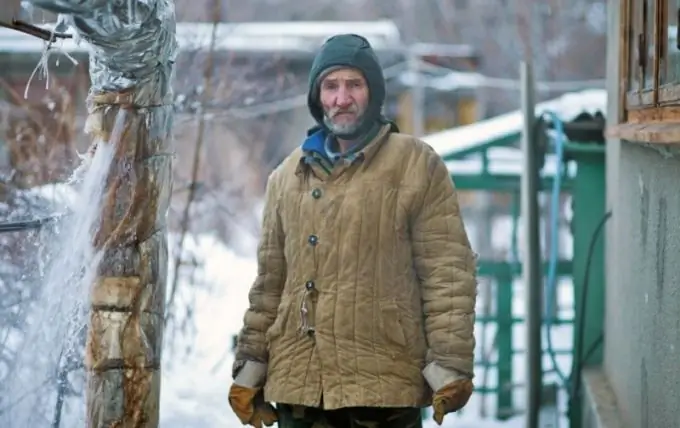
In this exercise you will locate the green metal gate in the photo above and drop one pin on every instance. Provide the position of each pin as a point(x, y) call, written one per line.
point(585, 184)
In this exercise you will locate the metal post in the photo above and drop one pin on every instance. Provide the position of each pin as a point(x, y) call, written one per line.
point(417, 94)
point(504, 404)
point(531, 256)
point(588, 199)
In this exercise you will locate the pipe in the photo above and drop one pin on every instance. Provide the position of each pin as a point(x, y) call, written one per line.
point(531, 263)
point(21, 225)
point(553, 254)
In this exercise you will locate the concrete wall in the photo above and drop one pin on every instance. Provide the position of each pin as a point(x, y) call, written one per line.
point(642, 340)
point(642, 358)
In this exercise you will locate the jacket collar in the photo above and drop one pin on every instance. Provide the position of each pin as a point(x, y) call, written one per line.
point(314, 145)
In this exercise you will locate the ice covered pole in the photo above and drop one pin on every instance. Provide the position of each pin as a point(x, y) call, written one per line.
point(132, 53)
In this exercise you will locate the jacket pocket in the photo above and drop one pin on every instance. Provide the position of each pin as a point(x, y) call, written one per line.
point(279, 325)
point(391, 324)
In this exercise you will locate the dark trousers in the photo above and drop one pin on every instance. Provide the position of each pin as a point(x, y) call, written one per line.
point(350, 417)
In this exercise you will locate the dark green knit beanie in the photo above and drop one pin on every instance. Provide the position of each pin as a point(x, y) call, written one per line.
point(348, 50)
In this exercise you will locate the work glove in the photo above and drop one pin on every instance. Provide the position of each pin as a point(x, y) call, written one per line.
point(452, 390)
point(247, 399)
point(250, 407)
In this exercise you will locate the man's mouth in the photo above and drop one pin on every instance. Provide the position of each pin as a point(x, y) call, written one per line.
point(346, 114)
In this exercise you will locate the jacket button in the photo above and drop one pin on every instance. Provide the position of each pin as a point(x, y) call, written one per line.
point(313, 239)
point(309, 285)
point(316, 193)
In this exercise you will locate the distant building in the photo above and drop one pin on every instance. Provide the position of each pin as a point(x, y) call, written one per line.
point(261, 72)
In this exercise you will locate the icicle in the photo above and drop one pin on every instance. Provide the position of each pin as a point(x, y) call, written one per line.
point(42, 65)
point(63, 51)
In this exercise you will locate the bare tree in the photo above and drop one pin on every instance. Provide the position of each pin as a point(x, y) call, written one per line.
point(564, 37)
point(564, 40)
point(40, 135)
point(227, 141)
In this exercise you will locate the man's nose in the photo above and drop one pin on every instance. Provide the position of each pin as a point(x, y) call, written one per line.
point(343, 99)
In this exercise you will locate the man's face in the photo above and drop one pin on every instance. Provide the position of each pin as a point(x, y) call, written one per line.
point(344, 98)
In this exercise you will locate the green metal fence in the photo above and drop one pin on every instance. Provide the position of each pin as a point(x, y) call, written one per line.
point(585, 185)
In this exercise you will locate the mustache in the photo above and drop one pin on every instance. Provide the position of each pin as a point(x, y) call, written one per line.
point(340, 110)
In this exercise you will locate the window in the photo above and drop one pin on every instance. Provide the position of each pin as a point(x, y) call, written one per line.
point(649, 64)
point(632, 27)
point(648, 43)
point(669, 63)
point(652, 53)
point(641, 50)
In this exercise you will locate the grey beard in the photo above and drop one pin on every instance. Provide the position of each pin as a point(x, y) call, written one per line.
point(346, 128)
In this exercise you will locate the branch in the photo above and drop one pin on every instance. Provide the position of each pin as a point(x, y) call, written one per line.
point(16, 226)
point(184, 225)
point(32, 30)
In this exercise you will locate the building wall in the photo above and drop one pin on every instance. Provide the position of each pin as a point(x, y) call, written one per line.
point(643, 310)
point(642, 333)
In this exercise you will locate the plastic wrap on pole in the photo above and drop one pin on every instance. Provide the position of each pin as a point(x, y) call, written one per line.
point(132, 43)
point(132, 52)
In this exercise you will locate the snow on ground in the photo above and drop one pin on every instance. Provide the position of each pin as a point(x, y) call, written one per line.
point(195, 387)
point(195, 384)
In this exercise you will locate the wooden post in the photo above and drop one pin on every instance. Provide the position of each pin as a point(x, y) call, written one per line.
point(125, 336)
point(130, 108)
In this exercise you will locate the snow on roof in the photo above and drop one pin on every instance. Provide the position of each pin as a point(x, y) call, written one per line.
point(567, 107)
point(451, 50)
point(249, 36)
point(449, 82)
point(508, 160)
point(509, 163)
point(292, 35)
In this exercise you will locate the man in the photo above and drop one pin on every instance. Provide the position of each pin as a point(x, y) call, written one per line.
point(365, 293)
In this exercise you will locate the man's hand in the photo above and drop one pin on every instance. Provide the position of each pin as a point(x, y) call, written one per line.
point(452, 390)
point(250, 407)
point(451, 398)
point(245, 395)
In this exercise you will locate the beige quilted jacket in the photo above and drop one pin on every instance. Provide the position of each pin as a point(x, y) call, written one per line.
point(365, 276)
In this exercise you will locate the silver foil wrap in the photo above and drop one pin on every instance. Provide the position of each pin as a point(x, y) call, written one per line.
point(132, 43)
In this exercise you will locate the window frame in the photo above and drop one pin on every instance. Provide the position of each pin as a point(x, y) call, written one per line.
point(649, 115)
point(659, 94)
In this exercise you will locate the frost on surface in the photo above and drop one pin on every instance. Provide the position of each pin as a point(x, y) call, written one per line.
point(23, 263)
point(112, 242)
point(47, 345)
